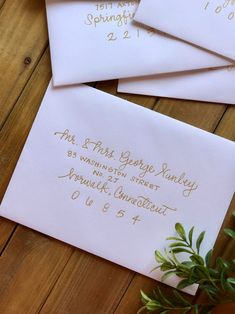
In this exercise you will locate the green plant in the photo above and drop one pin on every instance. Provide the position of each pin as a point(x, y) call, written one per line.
point(217, 282)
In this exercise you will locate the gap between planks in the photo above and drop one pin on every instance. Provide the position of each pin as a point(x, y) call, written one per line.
point(2, 4)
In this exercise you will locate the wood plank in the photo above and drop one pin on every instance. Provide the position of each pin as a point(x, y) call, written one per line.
point(29, 268)
point(203, 115)
point(226, 127)
point(15, 131)
point(88, 285)
point(225, 246)
point(131, 300)
point(23, 39)
point(25, 36)
point(7, 227)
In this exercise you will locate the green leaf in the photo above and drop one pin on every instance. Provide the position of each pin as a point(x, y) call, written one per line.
point(174, 238)
point(180, 298)
point(221, 264)
point(211, 291)
point(180, 230)
point(145, 297)
point(199, 241)
point(159, 257)
point(233, 213)
point(208, 257)
point(174, 258)
point(181, 250)
point(231, 280)
point(167, 275)
point(184, 268)
point(190, 236)
point(202, 272)
point(183, 284)
point(181, 274)
point(153, 305)
point(167, 266)
point(155, 268)
point(223, 280)
point(196, 309)
point(162, 298)
point(214, 273)
point(176, 244)
point(193, 276)
point(231, 288)
point(198, 260)
point(230, 233)
point(187, 264)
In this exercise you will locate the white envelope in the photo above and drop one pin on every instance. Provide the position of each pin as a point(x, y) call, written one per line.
point(113, 178)
point(204, 85)
point(207, 23)
point(93, 40)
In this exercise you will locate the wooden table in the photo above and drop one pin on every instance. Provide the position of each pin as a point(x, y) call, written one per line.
point(37, 273)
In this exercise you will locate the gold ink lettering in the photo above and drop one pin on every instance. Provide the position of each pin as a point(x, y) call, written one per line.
point(102, 187)
point(120, 19)
point(121, 214)
point(165, 173)
point(136, 219)
point(66, 136)
point(106, 207)
point(111, 37)
point(98, 148)
point(126, 160)
point(75, 195)
point(89, 201)
point(147, 184)
point(142, 202)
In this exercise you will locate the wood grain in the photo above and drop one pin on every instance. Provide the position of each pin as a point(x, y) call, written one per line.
point(16, 129)
point(2, 3)
point(98, 283)
point(205, 116)
point(29, 268)
point(22, 41)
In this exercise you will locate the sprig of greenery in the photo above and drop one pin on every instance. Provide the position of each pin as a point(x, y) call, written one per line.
point(217, 282)
point(175, 302)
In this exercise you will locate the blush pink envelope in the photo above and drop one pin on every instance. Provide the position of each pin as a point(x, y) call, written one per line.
point(206, 23)
point(93, 41)
point(204, 85)
point(113, 178)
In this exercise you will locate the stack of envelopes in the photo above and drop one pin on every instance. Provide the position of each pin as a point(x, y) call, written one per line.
point(111, 177)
